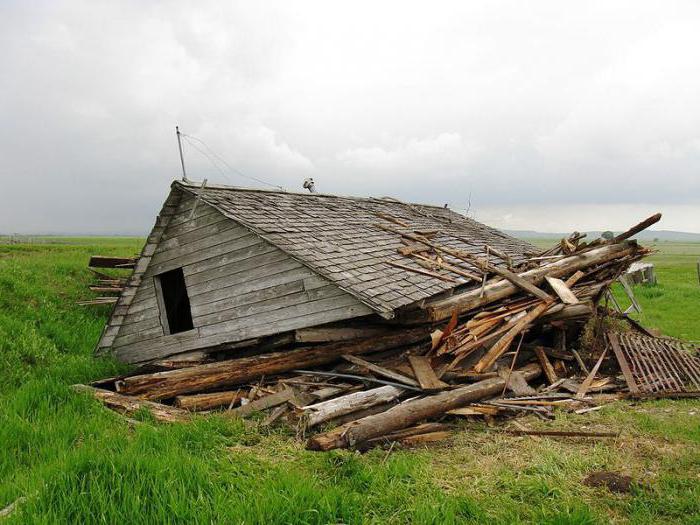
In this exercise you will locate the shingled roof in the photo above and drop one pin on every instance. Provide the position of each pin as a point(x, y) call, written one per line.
point(342, 239)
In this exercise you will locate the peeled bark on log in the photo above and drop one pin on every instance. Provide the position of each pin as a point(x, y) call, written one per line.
point(411, 412)
point(129, 405)
point(472, 299)
point(209, 401)
point(162, 385)
point(333, 408)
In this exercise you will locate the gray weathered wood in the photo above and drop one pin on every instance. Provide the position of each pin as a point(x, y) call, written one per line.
point(326, 410)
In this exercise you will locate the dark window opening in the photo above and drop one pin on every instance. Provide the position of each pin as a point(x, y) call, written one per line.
point(173, 294)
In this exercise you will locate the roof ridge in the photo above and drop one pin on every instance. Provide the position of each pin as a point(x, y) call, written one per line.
point(190, 185)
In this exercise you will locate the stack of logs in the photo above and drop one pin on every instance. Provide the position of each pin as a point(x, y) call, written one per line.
point(509, 346)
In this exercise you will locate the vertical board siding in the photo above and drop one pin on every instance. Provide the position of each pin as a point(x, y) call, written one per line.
point(240, 287)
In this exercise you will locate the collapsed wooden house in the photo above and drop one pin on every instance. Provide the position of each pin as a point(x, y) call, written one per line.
point(225, 269)
point(247, 301)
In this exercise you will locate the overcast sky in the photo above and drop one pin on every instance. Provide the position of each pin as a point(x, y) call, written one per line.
point(551, 115)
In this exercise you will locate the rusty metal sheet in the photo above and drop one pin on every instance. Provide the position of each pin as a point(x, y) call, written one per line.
point(655, 365)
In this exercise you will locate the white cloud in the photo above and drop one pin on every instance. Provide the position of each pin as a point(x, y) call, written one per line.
point(547, 106)
point(446, 150)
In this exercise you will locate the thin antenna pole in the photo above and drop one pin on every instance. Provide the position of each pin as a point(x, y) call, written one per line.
point(182, 159)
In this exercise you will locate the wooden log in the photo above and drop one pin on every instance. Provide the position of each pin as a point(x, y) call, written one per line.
point(129, 405)
point(464, 302)
point(209, 401)
point(634, 230)
point(333, 408)
point(171, 383)
point(411, 412)
point(354, 416)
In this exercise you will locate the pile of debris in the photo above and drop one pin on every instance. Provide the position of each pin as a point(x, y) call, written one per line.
point(506, 347)
point(107, 284)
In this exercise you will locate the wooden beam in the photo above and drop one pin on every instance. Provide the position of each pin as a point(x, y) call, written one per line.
point(171, 383)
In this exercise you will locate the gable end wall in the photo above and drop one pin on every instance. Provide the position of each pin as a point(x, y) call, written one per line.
point(240, 287)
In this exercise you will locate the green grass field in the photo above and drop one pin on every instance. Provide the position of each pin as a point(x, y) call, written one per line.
point(76, 462)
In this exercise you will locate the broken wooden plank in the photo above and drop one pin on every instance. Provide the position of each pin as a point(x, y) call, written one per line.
point(583, 389)
point(449, 267)
point(425, 374)
point(104, 261)
point(547, 367)
point(504, 342)
point(580, 362)
point(475, 410)
point(421, 271)
point(624, 365)
point(562, 290)
point(380, 370)
point(516, 382)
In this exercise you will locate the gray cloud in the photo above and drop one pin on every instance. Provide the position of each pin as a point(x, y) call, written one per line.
point(535, 110)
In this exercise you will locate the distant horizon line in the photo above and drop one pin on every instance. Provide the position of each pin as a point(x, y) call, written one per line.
point(145, 233)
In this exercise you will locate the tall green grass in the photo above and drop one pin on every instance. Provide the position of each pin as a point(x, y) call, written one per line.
point(76, 462)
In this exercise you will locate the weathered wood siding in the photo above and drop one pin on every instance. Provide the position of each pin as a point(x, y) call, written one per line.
point(240, 287)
